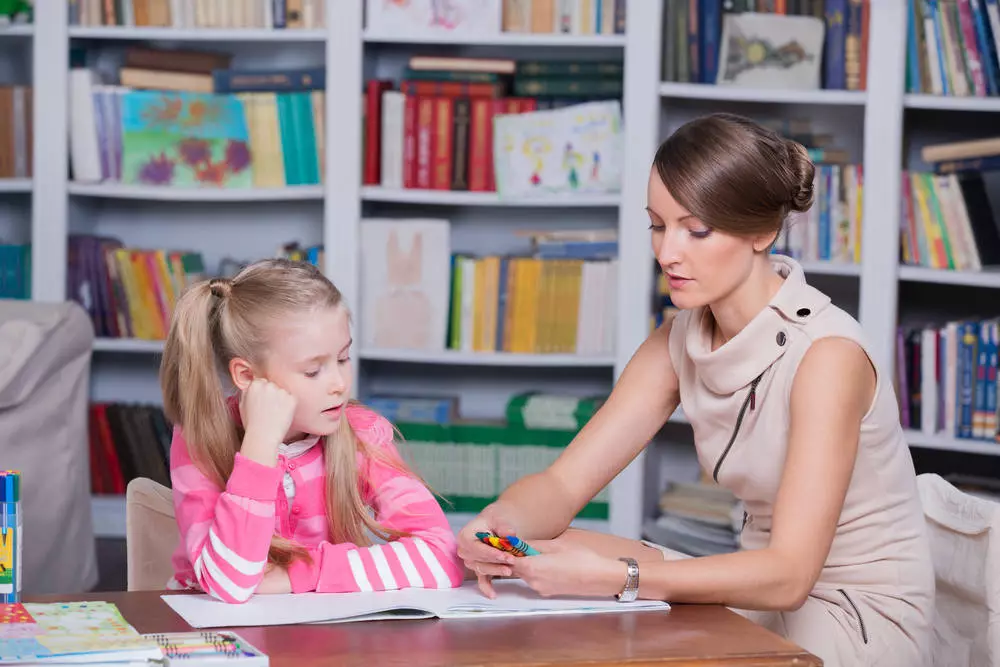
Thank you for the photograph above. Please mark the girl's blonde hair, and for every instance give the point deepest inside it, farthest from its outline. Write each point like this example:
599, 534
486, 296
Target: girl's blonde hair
218, 320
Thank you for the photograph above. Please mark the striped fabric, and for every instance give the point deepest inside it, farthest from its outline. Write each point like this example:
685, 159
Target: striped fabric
226, 533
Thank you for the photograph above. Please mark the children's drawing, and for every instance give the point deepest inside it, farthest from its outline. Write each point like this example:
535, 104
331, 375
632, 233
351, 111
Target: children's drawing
771, 51
184, 139
572, 149
408, 17
405, 283
537, 148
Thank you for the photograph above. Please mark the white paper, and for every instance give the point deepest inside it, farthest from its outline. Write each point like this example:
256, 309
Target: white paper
514, 598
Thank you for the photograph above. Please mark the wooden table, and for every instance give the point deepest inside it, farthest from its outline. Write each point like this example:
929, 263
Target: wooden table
686, 636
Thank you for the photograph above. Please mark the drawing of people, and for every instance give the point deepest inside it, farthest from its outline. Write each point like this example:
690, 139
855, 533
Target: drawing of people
571, 161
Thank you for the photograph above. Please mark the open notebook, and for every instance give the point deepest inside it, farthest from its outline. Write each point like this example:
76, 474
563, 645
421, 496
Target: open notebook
514, 598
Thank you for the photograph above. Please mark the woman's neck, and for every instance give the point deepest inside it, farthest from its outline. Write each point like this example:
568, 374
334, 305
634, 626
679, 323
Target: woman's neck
735, 310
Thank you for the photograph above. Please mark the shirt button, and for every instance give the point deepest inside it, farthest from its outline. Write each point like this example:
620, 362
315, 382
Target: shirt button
296, 510
291, 465
780, 338
802, 312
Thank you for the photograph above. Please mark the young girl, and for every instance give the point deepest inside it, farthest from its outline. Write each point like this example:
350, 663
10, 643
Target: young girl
272, 489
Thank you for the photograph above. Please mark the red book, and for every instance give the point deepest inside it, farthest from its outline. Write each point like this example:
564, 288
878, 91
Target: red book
480, 133
443, 113
410, 142
373, 130
425, 141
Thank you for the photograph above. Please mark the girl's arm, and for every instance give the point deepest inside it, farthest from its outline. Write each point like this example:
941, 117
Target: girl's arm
832, 390
226, 533
643, 399
426, 559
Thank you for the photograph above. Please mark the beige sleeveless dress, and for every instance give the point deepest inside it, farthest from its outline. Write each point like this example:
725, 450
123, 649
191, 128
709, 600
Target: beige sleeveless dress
873, 601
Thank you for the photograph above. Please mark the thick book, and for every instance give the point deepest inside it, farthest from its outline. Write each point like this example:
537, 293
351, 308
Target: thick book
514, 598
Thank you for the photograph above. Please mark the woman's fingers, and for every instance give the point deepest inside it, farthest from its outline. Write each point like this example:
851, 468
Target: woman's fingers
486, 586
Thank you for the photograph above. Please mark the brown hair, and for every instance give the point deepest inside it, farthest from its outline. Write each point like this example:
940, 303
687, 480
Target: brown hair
218, 320
735, 175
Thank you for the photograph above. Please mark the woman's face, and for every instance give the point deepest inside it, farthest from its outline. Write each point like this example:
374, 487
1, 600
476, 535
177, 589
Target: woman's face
702, 266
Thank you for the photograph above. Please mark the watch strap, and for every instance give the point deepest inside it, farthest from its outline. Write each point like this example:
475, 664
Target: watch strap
631, 589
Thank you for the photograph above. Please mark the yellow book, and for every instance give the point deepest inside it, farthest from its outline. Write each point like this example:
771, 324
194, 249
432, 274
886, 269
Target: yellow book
266, 116
138, 322
478, 301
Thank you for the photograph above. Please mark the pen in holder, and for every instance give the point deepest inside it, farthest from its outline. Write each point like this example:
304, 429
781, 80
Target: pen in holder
10, 536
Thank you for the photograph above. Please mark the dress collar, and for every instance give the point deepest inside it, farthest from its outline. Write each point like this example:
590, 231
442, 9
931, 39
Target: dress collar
762, 341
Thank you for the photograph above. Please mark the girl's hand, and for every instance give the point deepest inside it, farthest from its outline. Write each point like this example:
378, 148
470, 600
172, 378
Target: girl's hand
564, 568
267, 411
482, 559
275, 581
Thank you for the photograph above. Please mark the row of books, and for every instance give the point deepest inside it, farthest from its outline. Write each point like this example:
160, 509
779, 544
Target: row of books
952, 47
199, 13
693, 35
533, 305
127, 441
171, 138
946, 378
696, 518
436, 130
132, 292
15, 271
586, 17
17, 147
831, 229
948, 222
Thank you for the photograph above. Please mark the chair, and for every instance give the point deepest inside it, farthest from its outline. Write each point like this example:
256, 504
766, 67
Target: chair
964, 535
45, 353
151, 534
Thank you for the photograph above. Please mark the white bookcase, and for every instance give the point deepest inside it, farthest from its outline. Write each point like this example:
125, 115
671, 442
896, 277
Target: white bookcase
254, 223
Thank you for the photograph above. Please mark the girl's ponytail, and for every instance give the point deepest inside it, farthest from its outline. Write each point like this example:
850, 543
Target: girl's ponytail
193, 396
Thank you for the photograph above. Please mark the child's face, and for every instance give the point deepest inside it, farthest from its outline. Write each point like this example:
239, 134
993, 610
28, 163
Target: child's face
309, 358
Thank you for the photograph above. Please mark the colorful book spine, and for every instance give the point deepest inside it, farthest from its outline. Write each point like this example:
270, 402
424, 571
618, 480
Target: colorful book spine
10, 537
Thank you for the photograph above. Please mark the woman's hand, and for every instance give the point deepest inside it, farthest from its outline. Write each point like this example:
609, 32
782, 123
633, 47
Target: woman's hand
482, 559
275, 581
267, 411
565, 568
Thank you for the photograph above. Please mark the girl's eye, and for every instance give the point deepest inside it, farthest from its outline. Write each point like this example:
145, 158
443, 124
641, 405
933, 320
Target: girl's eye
344, 360
700, 233
312, 374
656, 228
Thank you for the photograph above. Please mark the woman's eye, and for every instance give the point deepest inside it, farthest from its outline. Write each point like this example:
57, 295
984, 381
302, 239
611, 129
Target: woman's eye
700, 233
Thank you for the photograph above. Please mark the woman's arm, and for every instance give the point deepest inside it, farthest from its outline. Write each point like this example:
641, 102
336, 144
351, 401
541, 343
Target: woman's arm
644, 397
831, 392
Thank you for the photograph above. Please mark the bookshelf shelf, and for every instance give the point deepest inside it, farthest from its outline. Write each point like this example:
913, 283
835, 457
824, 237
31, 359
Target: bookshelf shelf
504, 39
450, 198
17, 31
129, 345
831, 268
165, 193
700, 91
197, 34
952, 103
919, 274
458, 358
944, 442
15, 185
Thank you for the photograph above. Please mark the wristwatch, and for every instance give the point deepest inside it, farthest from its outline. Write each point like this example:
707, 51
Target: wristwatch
631, 590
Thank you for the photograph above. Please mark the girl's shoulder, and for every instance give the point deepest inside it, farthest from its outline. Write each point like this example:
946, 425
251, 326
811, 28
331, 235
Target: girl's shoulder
371, 428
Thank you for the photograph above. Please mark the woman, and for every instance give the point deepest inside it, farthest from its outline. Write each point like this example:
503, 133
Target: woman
788, 411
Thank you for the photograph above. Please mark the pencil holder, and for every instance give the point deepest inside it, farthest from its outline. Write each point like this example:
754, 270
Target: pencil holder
10, 536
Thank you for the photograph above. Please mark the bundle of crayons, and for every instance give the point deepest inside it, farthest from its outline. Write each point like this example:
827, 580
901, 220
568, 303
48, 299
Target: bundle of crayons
10, 536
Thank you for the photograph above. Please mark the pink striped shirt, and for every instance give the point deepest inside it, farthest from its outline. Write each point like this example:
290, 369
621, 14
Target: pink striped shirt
226, 533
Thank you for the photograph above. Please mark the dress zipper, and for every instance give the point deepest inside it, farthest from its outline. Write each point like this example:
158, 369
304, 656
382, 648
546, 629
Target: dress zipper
751, 402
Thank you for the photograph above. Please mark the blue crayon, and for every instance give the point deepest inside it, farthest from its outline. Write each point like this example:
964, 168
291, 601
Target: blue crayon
522, 546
